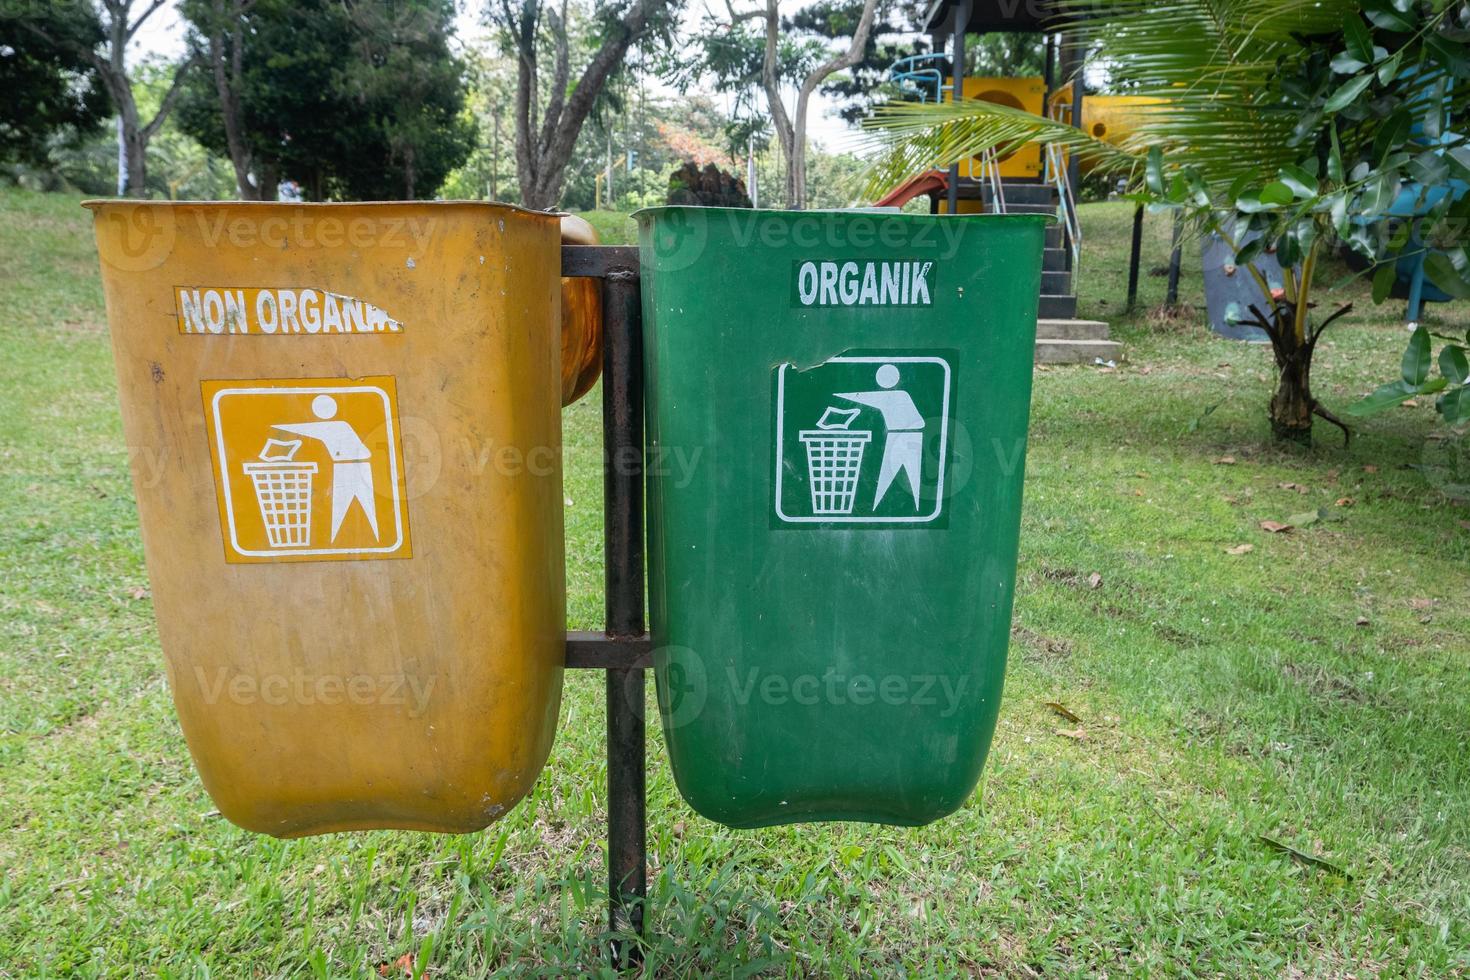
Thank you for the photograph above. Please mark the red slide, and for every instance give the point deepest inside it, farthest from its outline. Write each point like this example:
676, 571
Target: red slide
925, 183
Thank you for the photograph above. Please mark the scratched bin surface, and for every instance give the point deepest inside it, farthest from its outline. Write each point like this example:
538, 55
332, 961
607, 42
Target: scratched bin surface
344, 430
837, 416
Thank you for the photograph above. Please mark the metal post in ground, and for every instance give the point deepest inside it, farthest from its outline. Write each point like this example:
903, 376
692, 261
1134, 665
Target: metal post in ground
957, 92
1135, 255
1176, 255
622, 408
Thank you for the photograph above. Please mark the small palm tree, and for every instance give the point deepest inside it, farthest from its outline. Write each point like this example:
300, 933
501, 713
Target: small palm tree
1288, 123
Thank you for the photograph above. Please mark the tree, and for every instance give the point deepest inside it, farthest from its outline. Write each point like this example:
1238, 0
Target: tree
1009, 55
220, 38
791, 127
729, 60
864, 83
547, 125
404, 79
489, 169
51, 87
1280, 124
119, 27
353, 99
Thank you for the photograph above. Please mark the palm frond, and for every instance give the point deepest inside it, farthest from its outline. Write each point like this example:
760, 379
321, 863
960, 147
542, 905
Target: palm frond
1204, 67
913, 137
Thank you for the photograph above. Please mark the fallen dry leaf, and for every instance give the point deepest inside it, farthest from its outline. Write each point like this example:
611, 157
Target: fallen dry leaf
139, 592
1361, 621
1292, 486
1225, 461
1064, 711
1370, 468
1345, 502
402, 966
1275, 527
1421, 603
1408, 403
1464, 524
1094, 581
1076, 734
1240, 549
1332, 476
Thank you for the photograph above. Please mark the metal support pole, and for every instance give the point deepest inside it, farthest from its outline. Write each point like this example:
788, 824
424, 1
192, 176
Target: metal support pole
1048, 73
957, 92
1175, 257
622, 414
1074, 173
623, 649
1135, 255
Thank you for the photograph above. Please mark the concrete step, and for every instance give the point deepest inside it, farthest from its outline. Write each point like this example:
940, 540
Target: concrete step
1057, 308
1055, 260
1076, 351
1052, 329
1021, 207
1029, 193
1056, 283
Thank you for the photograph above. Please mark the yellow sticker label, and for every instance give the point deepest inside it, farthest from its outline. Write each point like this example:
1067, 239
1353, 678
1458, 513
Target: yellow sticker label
308, 469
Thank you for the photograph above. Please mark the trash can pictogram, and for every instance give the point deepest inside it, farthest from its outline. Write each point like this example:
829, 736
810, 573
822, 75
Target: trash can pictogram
283, 494
834, 458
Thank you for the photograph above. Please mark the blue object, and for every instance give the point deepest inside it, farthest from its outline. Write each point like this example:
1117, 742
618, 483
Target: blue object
1415, 201
1230, 291
921, 76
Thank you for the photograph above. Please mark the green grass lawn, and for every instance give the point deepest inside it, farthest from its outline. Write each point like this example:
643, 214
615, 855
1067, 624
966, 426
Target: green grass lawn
1313, 691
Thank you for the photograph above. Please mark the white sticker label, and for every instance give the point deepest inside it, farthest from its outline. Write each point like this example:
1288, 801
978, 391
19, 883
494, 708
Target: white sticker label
277, 312
850, 283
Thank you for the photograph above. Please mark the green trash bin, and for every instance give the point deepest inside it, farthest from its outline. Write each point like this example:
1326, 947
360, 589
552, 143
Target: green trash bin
837, 410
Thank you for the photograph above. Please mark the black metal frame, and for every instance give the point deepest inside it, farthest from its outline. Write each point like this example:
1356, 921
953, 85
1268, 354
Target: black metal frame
623, 649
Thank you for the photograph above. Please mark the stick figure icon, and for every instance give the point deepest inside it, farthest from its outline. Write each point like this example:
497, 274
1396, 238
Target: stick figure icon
352, 468
903, 442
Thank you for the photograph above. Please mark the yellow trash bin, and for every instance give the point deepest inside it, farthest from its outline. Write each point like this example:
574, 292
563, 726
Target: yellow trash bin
344, 428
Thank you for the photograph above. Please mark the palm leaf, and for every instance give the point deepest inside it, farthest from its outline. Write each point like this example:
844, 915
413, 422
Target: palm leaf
1207, 66
913, 137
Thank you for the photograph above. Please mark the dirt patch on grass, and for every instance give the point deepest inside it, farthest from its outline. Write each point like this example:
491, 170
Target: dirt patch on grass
1173, 319
1039, 648
1322, 683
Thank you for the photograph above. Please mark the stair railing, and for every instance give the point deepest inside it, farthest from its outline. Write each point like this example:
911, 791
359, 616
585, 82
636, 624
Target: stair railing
990, 170
1056, 175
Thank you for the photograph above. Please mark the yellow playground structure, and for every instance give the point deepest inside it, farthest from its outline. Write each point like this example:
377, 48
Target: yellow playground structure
1033, 178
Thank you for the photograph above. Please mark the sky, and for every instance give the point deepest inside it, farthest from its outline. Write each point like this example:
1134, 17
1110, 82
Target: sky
163, 33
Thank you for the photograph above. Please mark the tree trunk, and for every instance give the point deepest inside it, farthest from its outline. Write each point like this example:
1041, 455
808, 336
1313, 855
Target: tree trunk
793, 132
543, 149
1293, 341
137, 155
1292, 404
227, 85
112, 68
